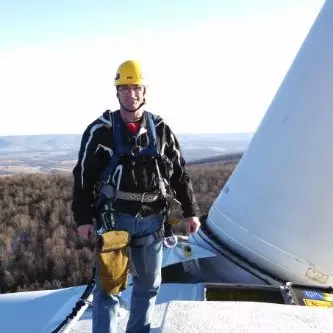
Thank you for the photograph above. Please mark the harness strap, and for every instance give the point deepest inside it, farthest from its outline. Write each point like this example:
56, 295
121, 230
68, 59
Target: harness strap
106, 193
146, 240
141, 197
121, 149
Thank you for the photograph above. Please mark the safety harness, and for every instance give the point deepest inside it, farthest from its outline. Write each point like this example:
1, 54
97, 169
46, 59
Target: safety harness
108, 189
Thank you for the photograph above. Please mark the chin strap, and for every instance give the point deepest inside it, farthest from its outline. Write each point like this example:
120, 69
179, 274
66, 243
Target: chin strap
141, 105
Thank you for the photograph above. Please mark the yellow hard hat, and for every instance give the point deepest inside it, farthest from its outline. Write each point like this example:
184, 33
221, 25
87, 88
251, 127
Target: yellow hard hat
129, 72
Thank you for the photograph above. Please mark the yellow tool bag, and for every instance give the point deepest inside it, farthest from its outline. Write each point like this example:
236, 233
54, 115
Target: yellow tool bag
113, 260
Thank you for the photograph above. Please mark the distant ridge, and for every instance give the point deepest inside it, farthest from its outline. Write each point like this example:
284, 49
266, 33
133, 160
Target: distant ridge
59, 141
221, 158
42, 142
59, 152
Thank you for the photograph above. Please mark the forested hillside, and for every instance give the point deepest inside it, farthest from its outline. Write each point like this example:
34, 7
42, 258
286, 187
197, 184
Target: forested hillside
39, 248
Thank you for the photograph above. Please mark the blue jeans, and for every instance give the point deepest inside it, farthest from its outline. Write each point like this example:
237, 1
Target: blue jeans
147, 262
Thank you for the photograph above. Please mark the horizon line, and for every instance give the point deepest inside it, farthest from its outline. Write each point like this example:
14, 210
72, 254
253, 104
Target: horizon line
179, 133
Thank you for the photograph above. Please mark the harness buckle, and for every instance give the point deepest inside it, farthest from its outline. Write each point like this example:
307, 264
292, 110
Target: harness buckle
170, 242
135, 150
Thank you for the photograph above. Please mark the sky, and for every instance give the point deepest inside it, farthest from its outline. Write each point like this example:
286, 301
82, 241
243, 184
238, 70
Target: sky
213, 66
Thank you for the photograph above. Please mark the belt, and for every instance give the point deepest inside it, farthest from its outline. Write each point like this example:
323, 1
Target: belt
141, 197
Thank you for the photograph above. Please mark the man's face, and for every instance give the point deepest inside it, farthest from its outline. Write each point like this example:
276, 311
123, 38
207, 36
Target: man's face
131, 96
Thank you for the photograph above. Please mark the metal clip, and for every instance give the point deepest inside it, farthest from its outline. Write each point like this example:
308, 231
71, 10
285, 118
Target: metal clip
135, 150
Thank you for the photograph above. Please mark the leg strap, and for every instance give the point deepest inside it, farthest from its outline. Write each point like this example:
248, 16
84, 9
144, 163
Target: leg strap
146, 240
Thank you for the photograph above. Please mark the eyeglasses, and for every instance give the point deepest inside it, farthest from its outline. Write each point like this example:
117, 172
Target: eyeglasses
127, 89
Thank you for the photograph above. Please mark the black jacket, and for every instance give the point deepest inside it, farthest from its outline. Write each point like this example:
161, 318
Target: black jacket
97, 146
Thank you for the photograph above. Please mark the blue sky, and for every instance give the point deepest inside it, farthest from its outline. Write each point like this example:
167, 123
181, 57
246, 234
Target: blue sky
36, 21
213, 65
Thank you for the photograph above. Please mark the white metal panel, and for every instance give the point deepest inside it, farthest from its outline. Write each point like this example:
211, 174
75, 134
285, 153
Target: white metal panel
277, 207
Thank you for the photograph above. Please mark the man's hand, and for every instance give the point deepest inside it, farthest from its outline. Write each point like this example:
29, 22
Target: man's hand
192, 224
85, 231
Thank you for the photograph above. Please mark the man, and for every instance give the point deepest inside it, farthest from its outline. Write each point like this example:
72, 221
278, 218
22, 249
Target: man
140, 181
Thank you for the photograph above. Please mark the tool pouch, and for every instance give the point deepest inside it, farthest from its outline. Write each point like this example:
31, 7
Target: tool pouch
113, 259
